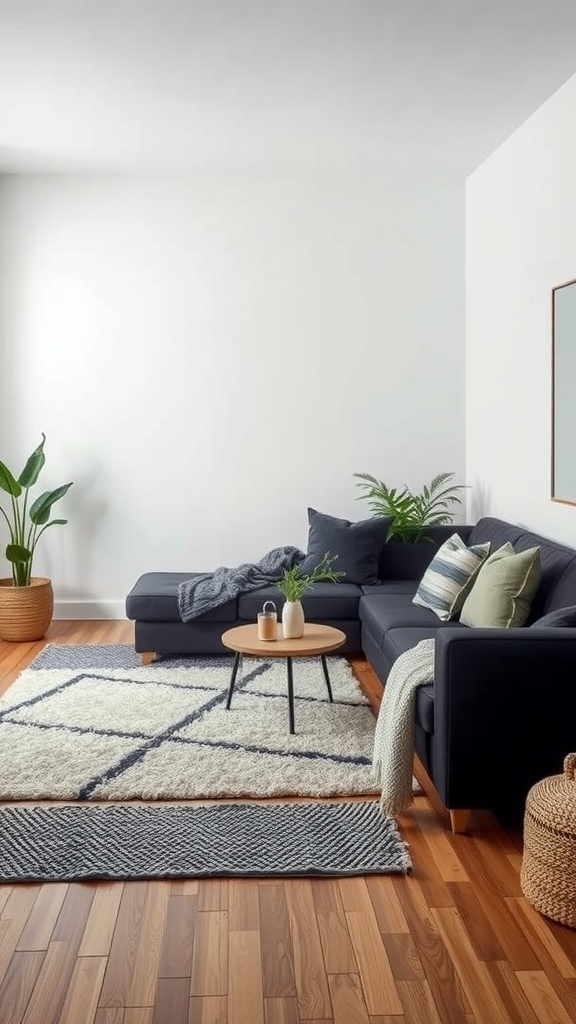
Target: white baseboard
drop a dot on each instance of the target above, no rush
(90, 609)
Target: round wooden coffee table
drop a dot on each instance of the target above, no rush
(317, 640)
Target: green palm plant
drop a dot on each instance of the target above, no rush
(411, 513)
(26, 525)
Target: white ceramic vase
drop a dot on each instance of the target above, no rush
(292, 620)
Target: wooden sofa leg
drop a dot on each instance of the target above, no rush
(460, 820)
(147, 657)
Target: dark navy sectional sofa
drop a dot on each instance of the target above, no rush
(501, 713)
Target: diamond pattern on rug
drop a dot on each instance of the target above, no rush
(162, 731)
(80, 842)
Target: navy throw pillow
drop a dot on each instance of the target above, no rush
(561, 617)
(357, 545)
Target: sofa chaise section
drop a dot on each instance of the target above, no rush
(153, 604)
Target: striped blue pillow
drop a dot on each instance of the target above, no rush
(449, 577)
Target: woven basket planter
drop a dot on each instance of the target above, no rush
(25, 612)
(548, 875)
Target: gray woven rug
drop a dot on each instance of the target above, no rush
(80, 842)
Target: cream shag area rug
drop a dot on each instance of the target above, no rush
(91, 731)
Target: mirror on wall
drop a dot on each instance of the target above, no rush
(564, 393)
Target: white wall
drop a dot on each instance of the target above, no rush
(520, 243)
(209, 357)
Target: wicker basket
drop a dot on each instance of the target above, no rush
(548, 875)
(25, 612)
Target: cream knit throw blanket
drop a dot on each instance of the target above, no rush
(394, 738)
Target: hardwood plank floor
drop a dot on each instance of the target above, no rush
(454, 943)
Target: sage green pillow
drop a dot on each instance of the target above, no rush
(504, 588)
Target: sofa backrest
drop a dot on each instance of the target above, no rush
(497, 531)
(401, 561)
(558, 584)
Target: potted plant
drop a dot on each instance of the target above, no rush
(26, 601)
(412, 513)
(294, 585)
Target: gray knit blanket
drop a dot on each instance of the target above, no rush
(394, 738)
(211, 589)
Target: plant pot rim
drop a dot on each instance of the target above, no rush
(35, 581)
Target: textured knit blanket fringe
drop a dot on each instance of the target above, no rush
(211, 589)
(394, 738)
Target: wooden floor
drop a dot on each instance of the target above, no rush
(454, 943)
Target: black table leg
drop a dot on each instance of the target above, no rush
(233, 679)
(327, 677)
(290, 694)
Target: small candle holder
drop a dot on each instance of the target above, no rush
(268, 622)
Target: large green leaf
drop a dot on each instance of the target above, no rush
(17, 553)
(31, 471)
(40, 509)
(8, 483)
(53, 522)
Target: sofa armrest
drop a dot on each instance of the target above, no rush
(503, 651)
(504, 711)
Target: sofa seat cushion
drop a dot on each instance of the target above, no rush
(402, 639)
(154, 598)
(325, 601)
(382, 612)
